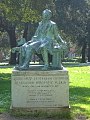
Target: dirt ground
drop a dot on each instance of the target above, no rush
(7, 116)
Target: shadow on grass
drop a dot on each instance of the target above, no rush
(5, 76)
(80, 99)
(5, 91)
(80, 95)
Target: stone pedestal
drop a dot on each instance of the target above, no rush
(40, 89)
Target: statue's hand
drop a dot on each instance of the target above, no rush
(28, 42)
(34, 38)
(15, 49)
(64, 45)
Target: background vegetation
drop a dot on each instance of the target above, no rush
(71, 16)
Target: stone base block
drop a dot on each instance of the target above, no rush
(40, 89)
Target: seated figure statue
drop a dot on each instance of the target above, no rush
(45, 38)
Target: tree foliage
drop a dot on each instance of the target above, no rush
(22, 10)
(4, 40)
(72, 18)
(14, 13)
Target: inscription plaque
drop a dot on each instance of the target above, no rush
(40, 89)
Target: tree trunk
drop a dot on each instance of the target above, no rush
(88, 52)
(31, 30)
(83, 53)
(88, 38)
(12, 37)
(25, 31)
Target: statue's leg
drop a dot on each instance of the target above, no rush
(21, 55)
(45, 58)
(21, 59)
(28, 55)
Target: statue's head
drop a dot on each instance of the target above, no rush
(47, 14)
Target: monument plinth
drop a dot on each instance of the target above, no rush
(46, 86)
(40, 89)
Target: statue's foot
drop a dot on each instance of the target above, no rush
(16, 67)
(45, 67)
(23, 67)
(61, 67)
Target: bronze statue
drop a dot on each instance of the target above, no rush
(46, 38)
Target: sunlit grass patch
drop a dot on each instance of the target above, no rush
(5, 70)
(80, 89)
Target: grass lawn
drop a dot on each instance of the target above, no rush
(79, 89)
(5, 88)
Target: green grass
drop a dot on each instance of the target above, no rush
(79, 89)
(5, 89)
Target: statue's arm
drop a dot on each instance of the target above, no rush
(15, 49)
(21, 41)
(59, 39)
(57, 35)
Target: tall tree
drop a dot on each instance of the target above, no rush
(88, 38)
(72, 17)
(10, 28)
(16, 12)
